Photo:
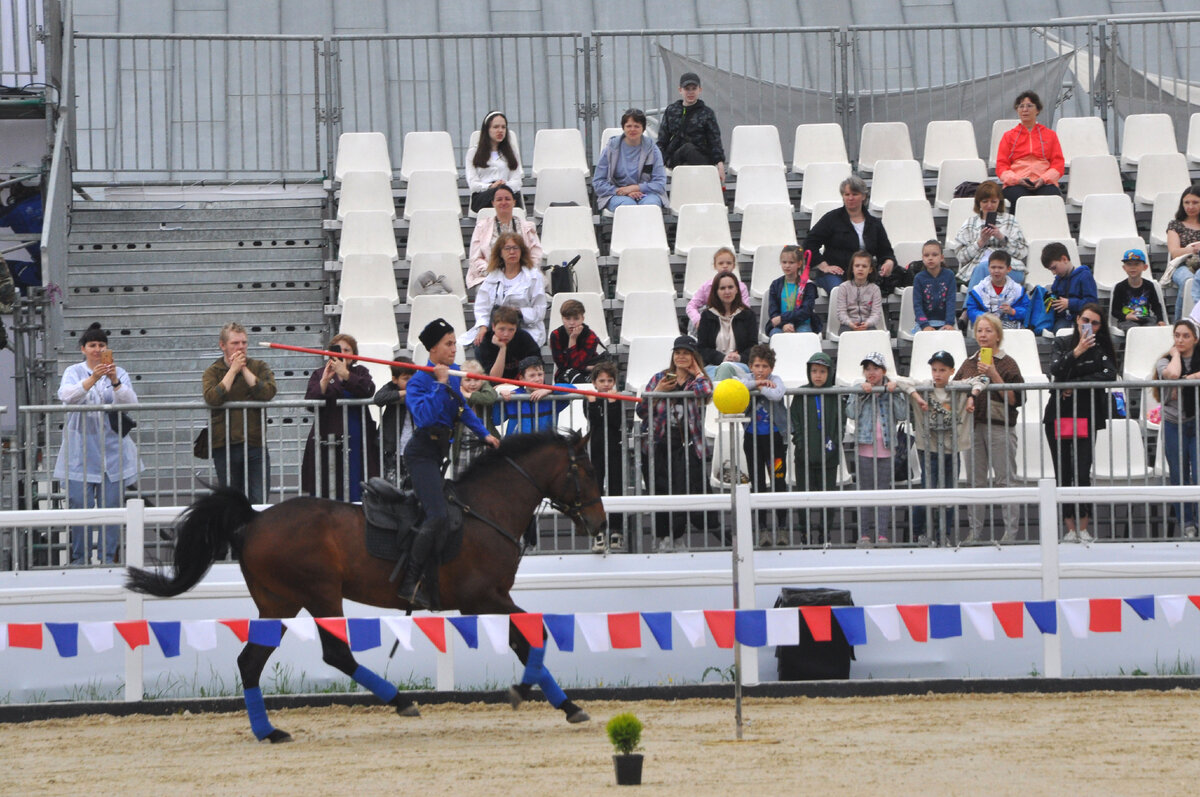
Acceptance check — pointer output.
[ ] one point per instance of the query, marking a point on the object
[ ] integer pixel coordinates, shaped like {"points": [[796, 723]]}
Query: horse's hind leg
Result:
{"points": [[251, 662], [537, 674], [337, 654]]}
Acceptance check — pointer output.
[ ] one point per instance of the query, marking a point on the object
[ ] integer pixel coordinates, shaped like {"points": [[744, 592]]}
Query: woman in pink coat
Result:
{"points": [[488, 230]]}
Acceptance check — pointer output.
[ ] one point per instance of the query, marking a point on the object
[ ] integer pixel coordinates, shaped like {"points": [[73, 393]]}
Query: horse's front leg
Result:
{"points": [[536, 674]]}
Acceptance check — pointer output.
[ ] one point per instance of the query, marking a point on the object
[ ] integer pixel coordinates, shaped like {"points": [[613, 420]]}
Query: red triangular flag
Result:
{"points": [[1195, 599], [625, 630], [241, 628], [916, 620], [334, 625], [25, 635], [435, 629], [530, 626], [1011, 615], [1106, 614], [135, 632], [819, 619], [721, 624]]}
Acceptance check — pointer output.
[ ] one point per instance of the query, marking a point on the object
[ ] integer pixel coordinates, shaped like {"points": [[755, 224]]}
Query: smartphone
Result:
{"points": [[990, 219], [985, 355], [670, 375], [1088, 331], [106, 357]]}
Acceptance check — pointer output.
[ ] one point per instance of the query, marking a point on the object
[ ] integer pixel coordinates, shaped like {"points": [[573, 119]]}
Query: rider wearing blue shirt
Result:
{"points": [[435, 403]]}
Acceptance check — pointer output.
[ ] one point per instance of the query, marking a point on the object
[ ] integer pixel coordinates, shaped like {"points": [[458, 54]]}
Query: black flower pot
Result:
{"points": [[628, 768]]}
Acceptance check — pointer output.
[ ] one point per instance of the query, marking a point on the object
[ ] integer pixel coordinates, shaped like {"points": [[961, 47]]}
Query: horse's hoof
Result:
{"points": [[578, 716], [518, 694], [410, 710], [277, 736]]}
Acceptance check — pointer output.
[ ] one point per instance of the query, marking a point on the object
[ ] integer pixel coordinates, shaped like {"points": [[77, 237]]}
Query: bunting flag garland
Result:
{"points": [[606, 631]]}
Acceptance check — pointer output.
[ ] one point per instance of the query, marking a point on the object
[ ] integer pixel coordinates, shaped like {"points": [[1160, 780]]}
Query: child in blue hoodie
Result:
{"points": [[1073, 286]]}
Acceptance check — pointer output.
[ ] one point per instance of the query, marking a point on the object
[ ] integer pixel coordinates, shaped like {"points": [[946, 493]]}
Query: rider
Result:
{"points": [[435, 403]]}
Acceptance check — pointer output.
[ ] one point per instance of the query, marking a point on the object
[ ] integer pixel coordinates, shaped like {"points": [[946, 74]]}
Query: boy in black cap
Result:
{"points": [[689, 134]]}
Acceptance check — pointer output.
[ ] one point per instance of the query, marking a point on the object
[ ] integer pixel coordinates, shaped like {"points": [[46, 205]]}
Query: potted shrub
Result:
{"points": [[625, 733]]}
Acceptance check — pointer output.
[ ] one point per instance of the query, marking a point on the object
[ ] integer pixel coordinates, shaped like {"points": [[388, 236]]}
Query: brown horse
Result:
{"points": [[310, 553]]}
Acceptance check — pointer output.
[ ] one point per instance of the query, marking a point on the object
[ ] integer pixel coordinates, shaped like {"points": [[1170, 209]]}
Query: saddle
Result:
{"points": [[392, 514]]}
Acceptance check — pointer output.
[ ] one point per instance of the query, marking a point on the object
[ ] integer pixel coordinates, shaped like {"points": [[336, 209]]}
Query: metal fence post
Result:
{"points": [[1048, 532], [135, 547]]}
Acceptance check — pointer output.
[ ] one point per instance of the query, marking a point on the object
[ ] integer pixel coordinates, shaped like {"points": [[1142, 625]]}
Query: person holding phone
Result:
{"points": [[989, 229], [1029, 159]]}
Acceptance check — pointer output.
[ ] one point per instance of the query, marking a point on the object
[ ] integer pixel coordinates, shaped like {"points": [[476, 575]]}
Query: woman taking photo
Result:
{"points": [[630, 170], [1183, 246], [1179, 417], [493, 162], [1073, 416], [727, 328], [512, 279], [1029, 159], [842, 232], [97, 458], [349, 427], [490, 228], [991, 229]]}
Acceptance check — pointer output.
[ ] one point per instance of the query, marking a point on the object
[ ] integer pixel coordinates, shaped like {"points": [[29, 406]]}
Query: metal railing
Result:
{"points": [[21, 59]]}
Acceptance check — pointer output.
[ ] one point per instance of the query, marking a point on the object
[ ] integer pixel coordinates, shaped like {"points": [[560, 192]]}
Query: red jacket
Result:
{"points": [[1024, 153]]}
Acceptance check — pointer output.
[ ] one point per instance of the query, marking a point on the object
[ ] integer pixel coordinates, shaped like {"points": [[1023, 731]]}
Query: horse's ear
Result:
{"points": [[581, 446]]}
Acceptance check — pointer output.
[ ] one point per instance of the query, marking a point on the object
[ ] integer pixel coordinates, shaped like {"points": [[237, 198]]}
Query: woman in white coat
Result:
{"points": [[513, 280]]}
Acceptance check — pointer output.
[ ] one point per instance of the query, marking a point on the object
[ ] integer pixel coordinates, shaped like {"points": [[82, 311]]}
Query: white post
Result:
{"points": [[744, 564], [445, 664], [1048, 530], [135, 550]]}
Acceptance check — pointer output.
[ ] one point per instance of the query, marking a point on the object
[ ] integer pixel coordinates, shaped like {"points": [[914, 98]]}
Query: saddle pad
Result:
{"points": [[390, 516]]}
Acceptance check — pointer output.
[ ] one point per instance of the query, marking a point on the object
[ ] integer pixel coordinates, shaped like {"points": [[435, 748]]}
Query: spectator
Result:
{"points": [[492, 162], [1029, 159], [630, 170], [534, 415], [342, 429], [999, 294], [1179, 418], [1183, 246], [1073, 416], [488, 230], [1073, 286], [97, 459], [727, 328], [574, 346], [876, 412], [236, 435], [505, 344], [763, 441], [23, 213], [817, 424], [859, 302], [396, 424], [606, 441], [990, 230], [481, 397], [513, 280], [724, 259], [673, 442], [842, 232], [689, 134], [1134, 300], [934, 291], [994, 438], [791, 298]]}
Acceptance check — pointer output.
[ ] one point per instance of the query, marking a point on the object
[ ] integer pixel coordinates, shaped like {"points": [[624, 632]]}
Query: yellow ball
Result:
{"points": [[731, 396]]}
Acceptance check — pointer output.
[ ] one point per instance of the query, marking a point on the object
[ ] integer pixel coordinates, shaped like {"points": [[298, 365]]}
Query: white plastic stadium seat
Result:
{"points": [[369, 276], [558, 148], [896, 179], [1162, 213], [1033, 450], [593, 309], [560, 185], [587, 272], [949, 140], [823, 207], [647, 356], [720, 470], [1021, 345], [792, 350], [699, 269], [649, 314], [754, 145], [1106, 268], [766, 185], [908, 220], [366, 191], [907, 320], [927, 342], [765, 270], [695, 185], [1093, 174], [883, 141], [427, 152], [961, 209], [1081, 135], [766, 224], [818, 143], [954, 172], [644, 270], [369, 232], [831, 322], [638, 226], [821, 184], [1037, 274], [1193, 141], [1143, 347], [607, 135], [362, 152], [428, 190], [999, 128], [434, 231], [370, 320], [569, 228], [423, 309], [1106, 216], [442, 264], [1159, 172], [1042, 217], [1120, 454], [1145, 133], [702, 225], [380, 374], [854, 346]]}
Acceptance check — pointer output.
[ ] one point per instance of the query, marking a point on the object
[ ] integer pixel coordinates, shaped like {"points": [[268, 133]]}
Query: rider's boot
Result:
{"points": [[413, 588]]}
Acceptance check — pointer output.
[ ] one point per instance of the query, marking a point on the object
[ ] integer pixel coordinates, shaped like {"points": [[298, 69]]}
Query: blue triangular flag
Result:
{"points": [[66, 638], [468, 629], [853, 623], [1143, 605], [167, 634], [1044, 614], [945, 620], [363, 631], [562, 628], [750, 627], [266, 632], [659, 624]]}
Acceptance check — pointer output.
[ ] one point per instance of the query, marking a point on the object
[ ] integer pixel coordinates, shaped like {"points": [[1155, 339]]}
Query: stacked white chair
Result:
{"points": [[754, 145], [362, 152], [560, 185], [569, 228], [369, 232], [1081, 135], [644, 270], [762, 184], [883, 141], [369, 276], [954, 172], [766, 224], [1106, 216], [366, 191], [821, 183], [1021, 345], [948, 140], [908, 221], [371, 320], [648, 314], [818, 143], [432, 190], [1145, 133], [430, 151], [792, 350], [1159, 172], [647, 356], [1120, 455], [765, 269], [558, 148], [638, 226], [896, 179], [960, 209], [702, 225], [433, 231], [1042, 217], [1093, 174], [695, 185]]}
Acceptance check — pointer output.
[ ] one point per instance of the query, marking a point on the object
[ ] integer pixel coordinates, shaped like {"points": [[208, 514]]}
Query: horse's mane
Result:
{"points": [[514, 446]]}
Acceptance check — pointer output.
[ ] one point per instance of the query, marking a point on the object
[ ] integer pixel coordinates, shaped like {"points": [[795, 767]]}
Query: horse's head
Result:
{"points": [[575, 492]]}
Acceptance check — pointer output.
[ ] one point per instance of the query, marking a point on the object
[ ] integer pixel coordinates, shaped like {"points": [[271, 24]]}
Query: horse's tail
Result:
{"points": [[203, 534]]}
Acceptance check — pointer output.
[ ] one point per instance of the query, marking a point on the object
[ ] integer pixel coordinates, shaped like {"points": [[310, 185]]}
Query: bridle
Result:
{"points": [[573, 508]]}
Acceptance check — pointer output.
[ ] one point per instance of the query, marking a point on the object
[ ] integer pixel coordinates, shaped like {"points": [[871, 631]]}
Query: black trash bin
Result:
{"points": [[812, 660]]}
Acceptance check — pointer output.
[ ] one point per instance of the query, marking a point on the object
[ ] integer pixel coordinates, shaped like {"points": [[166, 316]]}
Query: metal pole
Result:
{"points": [[731, 424], [135, 549], [1048, 532]]}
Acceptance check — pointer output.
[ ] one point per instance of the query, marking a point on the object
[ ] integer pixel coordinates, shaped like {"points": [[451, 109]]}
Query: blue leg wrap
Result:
{"points": [[259, 724], [382, 689], [551, 689], [536, 673]]}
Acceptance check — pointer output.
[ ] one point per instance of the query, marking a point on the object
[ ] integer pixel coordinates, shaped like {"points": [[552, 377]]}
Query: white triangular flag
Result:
{"points": [[305, 628], [1077, 612], [401, 628], [495, 628], [594, 627], [887, 619], [200, 634], [783, 626], [982, 617], [691, 622], [1172, 608], [98, 635]]}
